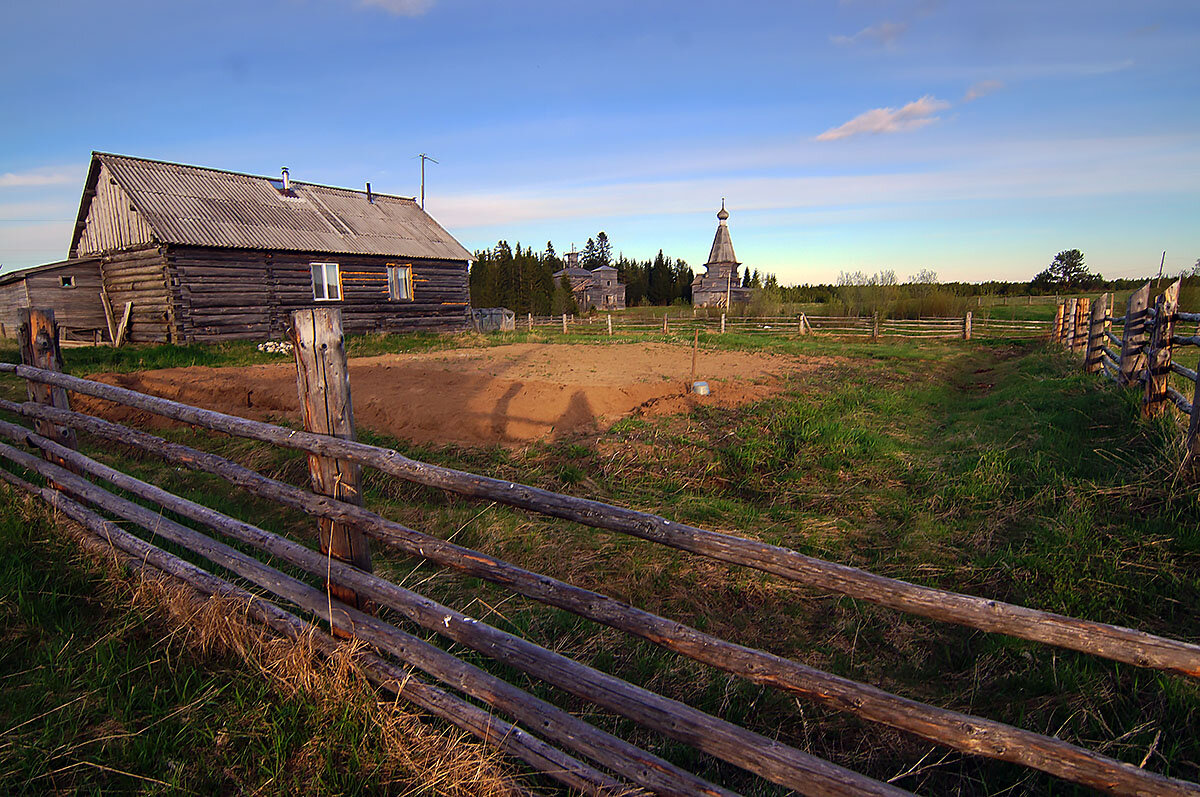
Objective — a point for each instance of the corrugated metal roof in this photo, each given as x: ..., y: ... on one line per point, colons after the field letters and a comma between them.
x: 722, y: 248
x: 195, y: 206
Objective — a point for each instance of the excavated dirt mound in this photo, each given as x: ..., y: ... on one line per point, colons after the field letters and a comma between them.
x: 505, y: 394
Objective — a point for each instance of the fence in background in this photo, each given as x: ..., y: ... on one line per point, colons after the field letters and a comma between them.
x: 536, y: 731
x: 851, y: 326
x: 1144, y: 357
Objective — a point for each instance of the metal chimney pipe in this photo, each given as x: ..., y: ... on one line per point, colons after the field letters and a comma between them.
x: 287, y: 183
x: 369, y: 199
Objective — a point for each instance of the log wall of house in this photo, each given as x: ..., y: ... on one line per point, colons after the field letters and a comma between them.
x: 224, y: 294
x: 140, y: 276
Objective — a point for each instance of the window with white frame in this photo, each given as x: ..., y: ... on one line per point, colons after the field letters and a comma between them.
x: 400, y: 283
x: 327, y: 282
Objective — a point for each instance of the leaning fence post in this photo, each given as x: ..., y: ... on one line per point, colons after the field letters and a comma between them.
x: 967, y: 326
x: 1134, y: 334
x: 1158, y: 365
x: 1056, y: 330
x: 39, y: 348
x: 323, y: 381
x: 1069, y: 323
x: 665, y: 324
x: 1082, y: 316
x: 1095, y: 339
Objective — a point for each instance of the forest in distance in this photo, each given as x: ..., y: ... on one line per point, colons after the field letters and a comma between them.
x: 521, y: 279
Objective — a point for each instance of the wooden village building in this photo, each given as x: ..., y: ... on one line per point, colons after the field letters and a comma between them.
x: 206, y: 255
x: 593, y: 288
x: 720, y: 286
x: 71, y: 288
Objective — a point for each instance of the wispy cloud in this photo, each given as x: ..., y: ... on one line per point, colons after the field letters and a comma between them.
x: 917, y: 113
x: 885, y: 34
x: 982, y: 89
x: 36, y: 177
x: 401, y: 8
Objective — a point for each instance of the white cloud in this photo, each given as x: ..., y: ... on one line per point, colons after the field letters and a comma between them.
x: 917, y: 113
x: 982, y: 89
x: 401, y: 8
x: 885, y: 33
x: 37, y: 177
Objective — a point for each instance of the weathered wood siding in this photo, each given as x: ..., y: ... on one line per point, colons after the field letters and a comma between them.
x: 139, y: 276
x: 112, y: 223
x: 223, y: 294
x: 77, y: 309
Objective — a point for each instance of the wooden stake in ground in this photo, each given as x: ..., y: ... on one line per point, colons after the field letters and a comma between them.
x: 108, y: 316
x: 610, y: 325
x: 564, y: 323
x: 1095, y: 338
x: 39, y: 348
x: 1083, y: 310
x: 1159, y: 358
x: 967, y: 326
x: 665, y: 323
x: 1056, y: 330
x: 695, y: 348
x: 722, y: 323
x: 123, y: 327
x: 323, y: 381
x: 531, y: 322
x: 1069, y: 323
x: 1134, y: 336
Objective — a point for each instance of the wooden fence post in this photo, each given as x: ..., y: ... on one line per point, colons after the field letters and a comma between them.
x: 1159, y: 358
x: 1191, y: 443
x: 564, y: 323
x: 1134, y: 335
x: 967, y: 326
x: 1069, y: 323
x: 323, y: 381
x: 1082, y: 316
x: 1056, y: 330
x: 610, y: 325
x: 39, y: 348
x: 875, y: 326
x: 531, y: 322
x: 1095, y: 339
x: 665, y: 331
x: 722, y: 323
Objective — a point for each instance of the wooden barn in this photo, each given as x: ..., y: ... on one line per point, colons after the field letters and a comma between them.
x: 208, y: 255
x: 71, y: 288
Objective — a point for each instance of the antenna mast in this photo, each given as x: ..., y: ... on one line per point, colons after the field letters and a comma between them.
x: 423, y: 158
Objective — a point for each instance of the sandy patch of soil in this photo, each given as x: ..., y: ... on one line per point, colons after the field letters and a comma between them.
x: 505, y: 394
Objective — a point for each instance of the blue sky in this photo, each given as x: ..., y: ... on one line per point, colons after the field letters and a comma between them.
x: 975, y: 139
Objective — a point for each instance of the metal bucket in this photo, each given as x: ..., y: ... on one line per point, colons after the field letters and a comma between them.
x: 700, y: 388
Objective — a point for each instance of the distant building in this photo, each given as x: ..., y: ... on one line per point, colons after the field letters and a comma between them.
x: 720, y: 285
x: 598, y: 288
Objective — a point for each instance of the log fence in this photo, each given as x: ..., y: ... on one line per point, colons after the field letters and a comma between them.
x: 546, y: 737
x: 1143, y: 355
x: 967, y: 327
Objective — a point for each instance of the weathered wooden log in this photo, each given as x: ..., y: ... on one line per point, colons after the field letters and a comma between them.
x: 1095, y: 335
x: 1134, y: 336
x: 1057, y: 330
x: 40, y: 348
x: 1154, y: 401
x: 323, y: 383
x: 765, y: 757
x: 139, y: 556
x: 961, y: 731
x: 1114, y: 642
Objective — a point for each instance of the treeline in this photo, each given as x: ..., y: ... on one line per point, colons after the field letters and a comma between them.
x: 522, y: 280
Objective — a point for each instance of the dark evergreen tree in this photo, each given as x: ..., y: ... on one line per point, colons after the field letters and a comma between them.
x: 603, y: 255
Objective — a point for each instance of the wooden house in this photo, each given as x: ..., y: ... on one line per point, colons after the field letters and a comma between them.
x: 70, y: 288
x: 207, y: 255
x: 595, y: 288
x: 719, y: 285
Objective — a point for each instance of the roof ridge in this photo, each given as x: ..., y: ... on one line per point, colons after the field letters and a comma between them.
x: 374, y: 193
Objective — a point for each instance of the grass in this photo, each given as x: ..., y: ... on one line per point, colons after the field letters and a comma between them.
x: 987, y: 468
x: 105, y: 690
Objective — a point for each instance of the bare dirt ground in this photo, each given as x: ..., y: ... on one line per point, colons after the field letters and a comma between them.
x: 510, y: 394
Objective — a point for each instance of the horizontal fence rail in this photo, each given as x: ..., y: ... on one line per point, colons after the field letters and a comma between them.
x: 67, y: 471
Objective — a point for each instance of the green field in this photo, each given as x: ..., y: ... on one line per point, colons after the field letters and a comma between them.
x: 990, y: 468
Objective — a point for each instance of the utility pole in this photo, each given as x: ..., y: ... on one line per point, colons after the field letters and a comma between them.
x: 423, y: 158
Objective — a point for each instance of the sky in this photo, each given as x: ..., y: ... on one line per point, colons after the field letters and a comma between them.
x: 974, y: 139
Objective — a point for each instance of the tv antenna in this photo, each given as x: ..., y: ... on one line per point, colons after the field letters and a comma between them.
x: 423, y: 158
